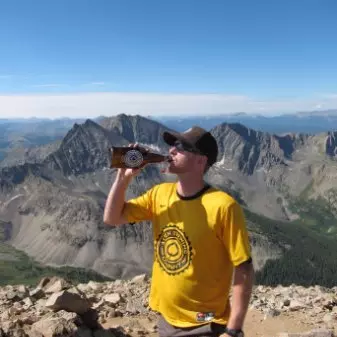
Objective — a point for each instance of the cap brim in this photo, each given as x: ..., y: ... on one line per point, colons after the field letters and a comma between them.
x: 171, y: 137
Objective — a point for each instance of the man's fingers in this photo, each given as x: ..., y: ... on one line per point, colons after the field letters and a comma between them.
x: 139, y: 147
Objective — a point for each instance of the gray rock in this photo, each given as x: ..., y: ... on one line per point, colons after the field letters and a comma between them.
x: 296, y: 305
x: 27, y: 302
x: 37, y: 293
x: 14, y: 296
x: 135, y: 306
x: 54, y: 327
x: 67, y: 301
x: 95, y: 285
x: 139, y: 279
x: 57, y: 286
x: 112, y: 298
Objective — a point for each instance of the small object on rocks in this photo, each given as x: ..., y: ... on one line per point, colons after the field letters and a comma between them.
x: 286, y: 303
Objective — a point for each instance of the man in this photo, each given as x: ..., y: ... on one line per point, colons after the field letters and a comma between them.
x: 200, y: 241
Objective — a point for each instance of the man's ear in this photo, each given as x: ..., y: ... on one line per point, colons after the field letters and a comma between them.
x: 202, y: 160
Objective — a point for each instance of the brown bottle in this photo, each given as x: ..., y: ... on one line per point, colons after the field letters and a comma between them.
x: 130, y: 157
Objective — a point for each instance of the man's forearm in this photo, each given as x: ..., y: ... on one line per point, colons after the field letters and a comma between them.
x: 115, y: 202
x: 241, y: 293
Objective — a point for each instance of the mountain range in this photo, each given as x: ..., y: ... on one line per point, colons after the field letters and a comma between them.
x: 21, y: 140
x: 52, y: 205
x: 301, y: 122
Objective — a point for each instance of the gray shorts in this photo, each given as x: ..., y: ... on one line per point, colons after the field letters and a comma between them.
x: 165, y: 329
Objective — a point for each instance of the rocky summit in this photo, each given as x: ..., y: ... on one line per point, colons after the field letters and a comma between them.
x: 55, y: 308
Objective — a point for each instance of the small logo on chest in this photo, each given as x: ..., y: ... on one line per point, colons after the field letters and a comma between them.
x: 204, y: 316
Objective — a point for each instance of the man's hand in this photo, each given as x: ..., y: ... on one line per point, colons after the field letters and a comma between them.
x: 113, y: 210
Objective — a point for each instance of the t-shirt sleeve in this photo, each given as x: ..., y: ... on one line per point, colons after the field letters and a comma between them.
x: 235, y: 234
x: 139, y: 208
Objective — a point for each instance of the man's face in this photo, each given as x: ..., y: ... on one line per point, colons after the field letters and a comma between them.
x: 185, y: 159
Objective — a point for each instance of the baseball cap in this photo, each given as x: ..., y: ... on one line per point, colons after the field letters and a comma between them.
x: 197, y: 139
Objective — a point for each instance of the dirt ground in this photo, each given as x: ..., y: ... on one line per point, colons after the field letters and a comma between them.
x: 255, y: 324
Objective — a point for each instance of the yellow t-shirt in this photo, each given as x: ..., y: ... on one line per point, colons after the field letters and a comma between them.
x: 196, y: 243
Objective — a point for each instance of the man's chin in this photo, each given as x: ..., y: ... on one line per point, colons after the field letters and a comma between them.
x: 171, y: 170
x: 176, y: 170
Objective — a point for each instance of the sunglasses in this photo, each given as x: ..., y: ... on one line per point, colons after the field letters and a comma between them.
x: 182, y: 147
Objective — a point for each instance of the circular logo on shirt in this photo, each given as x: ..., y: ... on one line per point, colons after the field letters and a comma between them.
x: 133, y: 158
x: 173, y: 250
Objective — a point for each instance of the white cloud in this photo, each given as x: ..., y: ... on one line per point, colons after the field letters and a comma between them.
x: 97, y: 83
x: 90, y: 105
x: 332, y: 96
x: 48, y: 85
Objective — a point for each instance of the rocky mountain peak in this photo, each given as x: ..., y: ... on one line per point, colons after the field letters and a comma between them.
x: 84, y: 149
x: 248, y: 149
x: 136, y: 129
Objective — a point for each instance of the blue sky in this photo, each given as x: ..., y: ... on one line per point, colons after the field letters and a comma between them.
x: 176, y: 56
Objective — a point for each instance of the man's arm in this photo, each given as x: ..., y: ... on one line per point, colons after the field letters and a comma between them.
x: 113, y: 211
x: 241, y: 293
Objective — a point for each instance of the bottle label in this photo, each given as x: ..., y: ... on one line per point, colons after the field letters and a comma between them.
x: 133, y: 158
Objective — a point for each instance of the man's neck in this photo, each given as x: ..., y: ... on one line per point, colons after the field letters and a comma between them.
x: 190, y: 185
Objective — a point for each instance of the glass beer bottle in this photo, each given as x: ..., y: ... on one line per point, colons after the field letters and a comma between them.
x: 130, y: 157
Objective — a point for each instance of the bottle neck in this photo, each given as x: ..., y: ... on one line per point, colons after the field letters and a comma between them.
x: 156, y: 157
